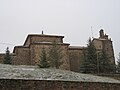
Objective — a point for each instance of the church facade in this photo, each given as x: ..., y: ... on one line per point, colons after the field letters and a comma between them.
x: 29, y: 52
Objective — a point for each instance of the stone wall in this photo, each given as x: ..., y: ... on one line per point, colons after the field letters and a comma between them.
x: 43, y: 38
x: 114, y: 76
x: 21, y: 56
x: 75, y: 57
x: 106, y: 45
x: 98, y: 44
x: 46, y: 39
x: 36, y: 50
x: 19, y: 84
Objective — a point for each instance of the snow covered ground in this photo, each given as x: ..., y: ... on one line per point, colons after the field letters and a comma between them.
x: 36, y: 73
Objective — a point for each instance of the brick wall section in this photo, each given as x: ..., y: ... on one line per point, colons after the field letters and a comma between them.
x: 12, y: 84
x: 46, y: 39
x: 36, y: 49
x: 42, y: 38
x: 21, y: 56
x: 114, y: 76
x: 108, y: 47
x: 75, y: 57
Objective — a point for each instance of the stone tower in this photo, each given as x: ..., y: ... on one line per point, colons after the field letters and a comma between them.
x: 104, y: 43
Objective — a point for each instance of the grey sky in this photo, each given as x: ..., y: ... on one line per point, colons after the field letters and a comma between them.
x: 71, y: 18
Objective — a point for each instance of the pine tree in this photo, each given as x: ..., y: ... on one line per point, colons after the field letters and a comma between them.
x: 43, y: 59
x: 89, y: 64
x: 55, y: 55
x: 104, y: 63
x: 84, y: 67
x: 7, y: 57
x: 118, y: 64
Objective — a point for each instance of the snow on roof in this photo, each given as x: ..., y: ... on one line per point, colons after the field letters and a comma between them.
x: 45, y: 35
x: 49, y: 43
x: 44, y: 42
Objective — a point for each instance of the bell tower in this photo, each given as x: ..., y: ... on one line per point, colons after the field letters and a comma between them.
x: 104, y: 43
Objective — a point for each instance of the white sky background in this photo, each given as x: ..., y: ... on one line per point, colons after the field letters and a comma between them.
x: 71, y: 18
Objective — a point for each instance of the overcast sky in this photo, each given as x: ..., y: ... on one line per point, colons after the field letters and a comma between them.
x: 71, y: 18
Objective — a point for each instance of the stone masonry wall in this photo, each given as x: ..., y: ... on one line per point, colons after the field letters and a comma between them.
x: 42, y: 38
x: 46, y: 39
x: 36, y: 50
x: 18, y: 84
x: 22, y: 56
x: 98, y: 44
x: 108, y: 47
x: 75, y: 57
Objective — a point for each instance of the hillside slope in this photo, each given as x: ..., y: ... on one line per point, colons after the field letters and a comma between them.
x: 36, y: 73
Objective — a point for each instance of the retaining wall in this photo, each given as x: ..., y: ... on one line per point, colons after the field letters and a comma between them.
x: 20, y: 84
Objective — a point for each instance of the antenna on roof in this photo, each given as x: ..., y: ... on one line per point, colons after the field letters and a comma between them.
x: 92, y: 31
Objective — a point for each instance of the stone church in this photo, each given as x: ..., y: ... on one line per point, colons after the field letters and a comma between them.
x: 29, y: 52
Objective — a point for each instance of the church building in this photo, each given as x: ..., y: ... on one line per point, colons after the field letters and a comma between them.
x: 29, y: 52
